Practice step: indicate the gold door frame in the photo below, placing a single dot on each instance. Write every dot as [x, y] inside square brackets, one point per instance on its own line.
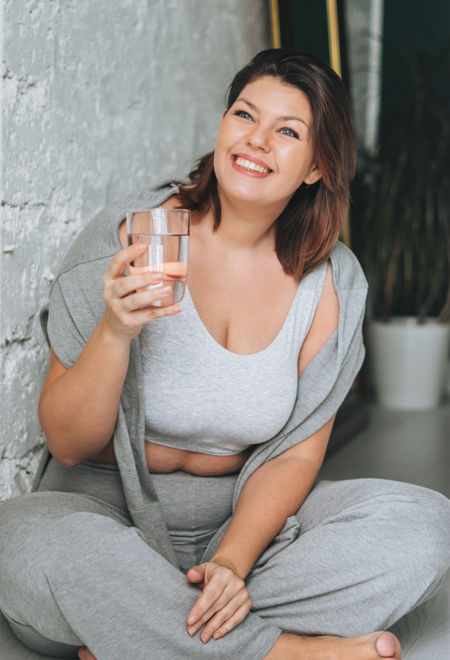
[334, 51]
[333, 32]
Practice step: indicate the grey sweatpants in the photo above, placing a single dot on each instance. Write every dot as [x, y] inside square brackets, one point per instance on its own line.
[357, 556]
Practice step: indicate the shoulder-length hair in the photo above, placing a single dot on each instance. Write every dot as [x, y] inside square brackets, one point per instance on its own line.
[310, 224]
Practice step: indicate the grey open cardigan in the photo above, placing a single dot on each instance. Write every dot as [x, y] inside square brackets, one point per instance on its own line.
[77, 305]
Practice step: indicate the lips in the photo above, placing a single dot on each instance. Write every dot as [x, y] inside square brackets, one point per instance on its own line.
[250, 165]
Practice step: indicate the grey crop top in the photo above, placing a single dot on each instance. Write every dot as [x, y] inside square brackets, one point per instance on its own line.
[201, 397]
[77, 306]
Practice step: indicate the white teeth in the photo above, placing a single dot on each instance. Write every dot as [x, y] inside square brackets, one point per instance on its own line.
[248, 165]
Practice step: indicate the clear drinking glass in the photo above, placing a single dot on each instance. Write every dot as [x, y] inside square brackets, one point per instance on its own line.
[166, 233]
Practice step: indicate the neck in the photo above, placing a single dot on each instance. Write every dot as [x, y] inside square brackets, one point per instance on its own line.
[245, 226]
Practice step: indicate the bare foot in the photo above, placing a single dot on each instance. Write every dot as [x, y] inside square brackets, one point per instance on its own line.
[367, 647]
[293, 647]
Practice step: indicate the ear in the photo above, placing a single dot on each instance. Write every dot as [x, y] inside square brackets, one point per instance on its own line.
[313, 176]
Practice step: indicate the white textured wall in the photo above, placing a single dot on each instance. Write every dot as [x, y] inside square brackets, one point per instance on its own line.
[96, 98]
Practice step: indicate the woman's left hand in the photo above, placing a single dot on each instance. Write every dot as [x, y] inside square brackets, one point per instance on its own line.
[224, 603]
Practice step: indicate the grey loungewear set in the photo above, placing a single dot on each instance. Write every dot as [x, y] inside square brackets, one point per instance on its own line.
[97, 555]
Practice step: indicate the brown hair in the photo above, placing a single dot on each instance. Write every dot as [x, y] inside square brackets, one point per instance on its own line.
[311, 222]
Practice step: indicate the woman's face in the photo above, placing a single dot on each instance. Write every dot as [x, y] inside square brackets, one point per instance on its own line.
[264, 147]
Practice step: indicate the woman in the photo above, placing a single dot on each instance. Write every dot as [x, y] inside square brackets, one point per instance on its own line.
[163, 425]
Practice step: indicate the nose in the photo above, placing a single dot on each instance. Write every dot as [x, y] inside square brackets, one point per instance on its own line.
[258, 138]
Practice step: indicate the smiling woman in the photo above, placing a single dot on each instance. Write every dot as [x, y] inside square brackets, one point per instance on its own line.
[180, 500]
[260, 145]
[293, 119]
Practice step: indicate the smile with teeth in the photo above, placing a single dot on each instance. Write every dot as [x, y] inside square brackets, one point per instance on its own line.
[248, 165]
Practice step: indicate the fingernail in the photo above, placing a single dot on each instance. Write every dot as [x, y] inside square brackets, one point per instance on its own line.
[139, 246]
[158, 276]
[205, 637]
[191, 630]
[192, 619]
[165, 289]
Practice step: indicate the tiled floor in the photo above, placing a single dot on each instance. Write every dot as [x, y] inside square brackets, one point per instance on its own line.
[415, 447]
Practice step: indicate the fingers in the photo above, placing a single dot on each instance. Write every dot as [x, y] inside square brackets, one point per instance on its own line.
[194, 575]
[224, 603]
[139, 279]
[85, 654]
[214, 598]
[227, 615]
[226, 620]
[213, 580]
[123, 258]
[140, 318]
[146, 298]
[120, 287]
[132, 301]
[204, 608]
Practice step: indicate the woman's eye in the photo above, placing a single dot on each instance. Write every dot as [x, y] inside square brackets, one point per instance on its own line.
[242, 113]
[289, 131]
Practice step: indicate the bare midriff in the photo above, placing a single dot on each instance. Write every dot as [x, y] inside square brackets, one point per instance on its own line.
[167, 459]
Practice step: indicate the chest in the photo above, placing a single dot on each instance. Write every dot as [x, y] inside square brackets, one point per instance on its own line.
[242, 301]
[202, 397]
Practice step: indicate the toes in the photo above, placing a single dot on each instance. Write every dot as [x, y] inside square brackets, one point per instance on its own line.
[388, 646]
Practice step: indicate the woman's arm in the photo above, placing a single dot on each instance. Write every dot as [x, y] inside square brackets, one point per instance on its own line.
[275, 491]
[272, 493]
[78, 406]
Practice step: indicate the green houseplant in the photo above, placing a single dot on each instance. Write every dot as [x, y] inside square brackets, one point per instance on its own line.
[401, 233]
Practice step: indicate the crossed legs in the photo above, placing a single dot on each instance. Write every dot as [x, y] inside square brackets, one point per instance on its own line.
[74, 570]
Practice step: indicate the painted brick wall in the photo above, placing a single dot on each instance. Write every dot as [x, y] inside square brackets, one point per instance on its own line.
[96, 98]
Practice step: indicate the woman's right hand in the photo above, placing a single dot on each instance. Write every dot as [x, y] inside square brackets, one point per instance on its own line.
[127, 299]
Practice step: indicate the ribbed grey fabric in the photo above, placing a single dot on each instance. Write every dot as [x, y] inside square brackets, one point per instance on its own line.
[76, 307]
[356, 556]
[204, 398]
[95, 560]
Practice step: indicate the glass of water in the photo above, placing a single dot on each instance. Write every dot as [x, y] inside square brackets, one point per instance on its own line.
[166, 234]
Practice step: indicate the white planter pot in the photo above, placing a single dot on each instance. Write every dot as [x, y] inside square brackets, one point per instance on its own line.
[408, 361]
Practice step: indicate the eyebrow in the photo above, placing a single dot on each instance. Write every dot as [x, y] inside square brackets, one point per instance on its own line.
[282, 118]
